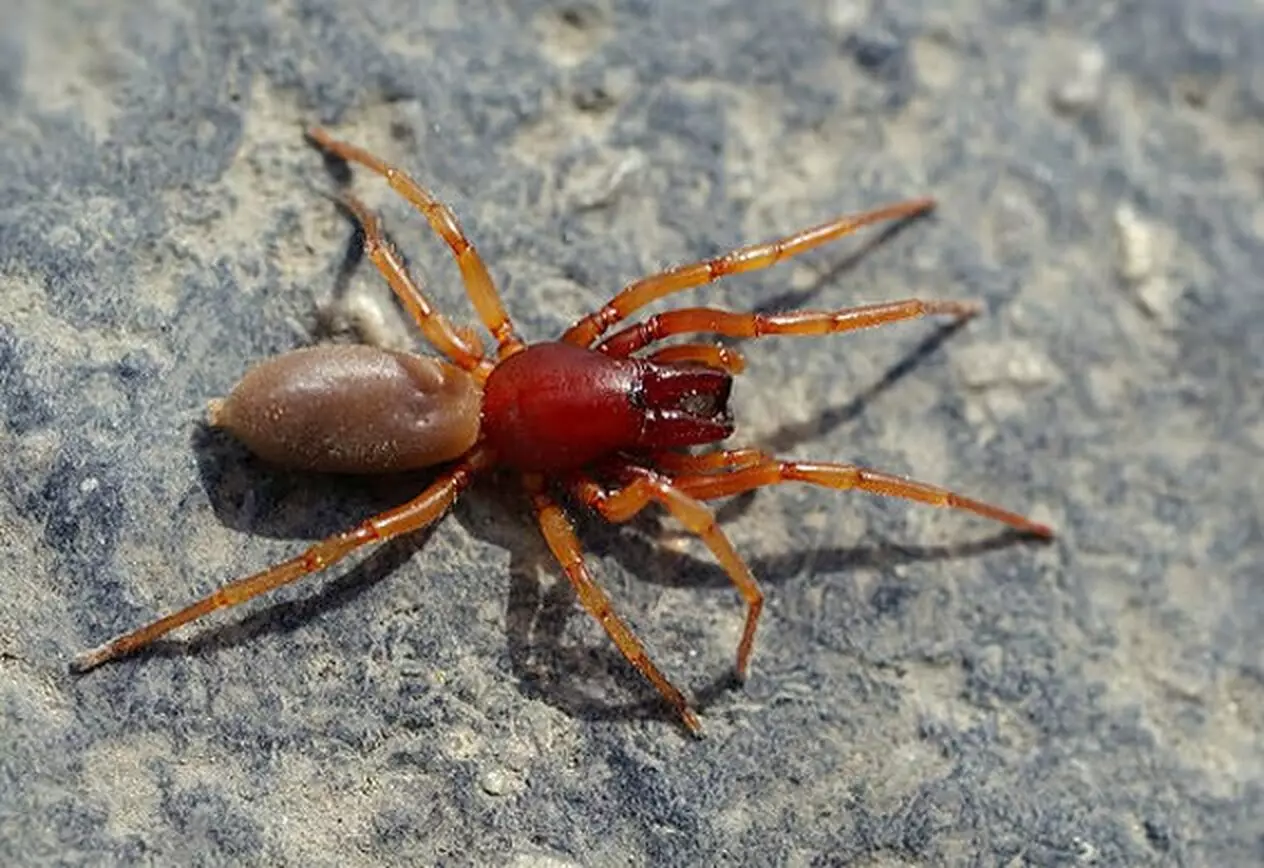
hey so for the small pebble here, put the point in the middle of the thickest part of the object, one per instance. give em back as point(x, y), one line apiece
point(844, 16)
point(1083, 85)
point(372, 319)
point(1134, 245)
point(1139, 267)
point(496, 782)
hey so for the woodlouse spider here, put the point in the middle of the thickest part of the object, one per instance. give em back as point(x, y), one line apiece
point(589, 415)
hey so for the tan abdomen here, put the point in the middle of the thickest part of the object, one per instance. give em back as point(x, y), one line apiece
point(352, 409)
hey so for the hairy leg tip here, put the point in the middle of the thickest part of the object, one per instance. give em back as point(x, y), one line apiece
point(88, 660)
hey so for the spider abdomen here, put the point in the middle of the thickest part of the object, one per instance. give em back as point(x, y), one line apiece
point(349, 408)
point(555, 407)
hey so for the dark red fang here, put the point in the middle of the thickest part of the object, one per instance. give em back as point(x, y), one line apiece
point(684, 406)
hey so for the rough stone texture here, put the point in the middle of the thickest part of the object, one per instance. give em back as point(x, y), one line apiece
point(923, 691)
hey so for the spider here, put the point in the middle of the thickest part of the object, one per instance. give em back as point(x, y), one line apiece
point(605, 418)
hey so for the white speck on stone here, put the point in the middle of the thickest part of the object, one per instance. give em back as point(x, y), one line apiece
point(1158, 298)
point(496, 782)
point(1086, 853)
point(371, 318)
point(844, 16)
point(1082, 88)
point(600, 184)
point(89, 485)
point(1139, 267)
point(1006, 363)
point(1134, 245)
point(373, 324)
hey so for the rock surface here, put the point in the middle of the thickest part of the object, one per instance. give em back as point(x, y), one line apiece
point(923, 690)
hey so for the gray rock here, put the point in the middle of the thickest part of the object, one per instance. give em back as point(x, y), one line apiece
point(923, 691)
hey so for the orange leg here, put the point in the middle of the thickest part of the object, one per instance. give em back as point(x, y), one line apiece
point(711, 355)
point(772, 471)
point(637, 295)
point(682, 464)
point(414, 515)
point(621, 505)
point(478, 282)
point(560, 536)
point(463, 350)
point(754, 325)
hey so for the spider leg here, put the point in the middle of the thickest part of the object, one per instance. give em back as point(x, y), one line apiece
point(478, 281)
point(442, 335)
point(636, 295)
point(800, 323)
point(710, 355)
point(773, 471)
point(414, 515)
point(683, 464)
point(560, 536)
point(647, 486)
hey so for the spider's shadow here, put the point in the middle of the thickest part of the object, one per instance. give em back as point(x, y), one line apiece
point(578, 677)
point(828, 419)
point(285, 617)
point(536, 619)
point(249, 495)
point(832, 274)
point(353, 257)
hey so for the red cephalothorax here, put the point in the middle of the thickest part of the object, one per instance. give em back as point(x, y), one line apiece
point(558, 407)
point(580, 417)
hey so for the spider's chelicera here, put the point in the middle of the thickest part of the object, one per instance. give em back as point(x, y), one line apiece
point(608, 419)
